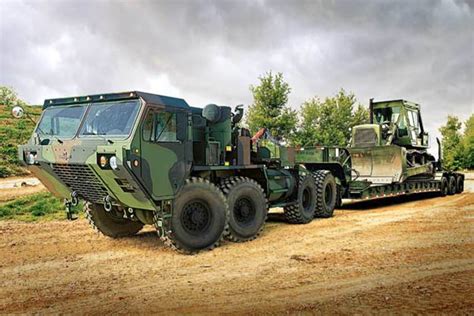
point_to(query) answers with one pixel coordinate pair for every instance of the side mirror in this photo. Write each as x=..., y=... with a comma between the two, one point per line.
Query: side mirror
x=18, y=112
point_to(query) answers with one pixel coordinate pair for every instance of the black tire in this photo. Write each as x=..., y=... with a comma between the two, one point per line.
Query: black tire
x=198, y=218
x=451, y=185
x=459, y=184
x=339, y=197
x=444, y=186
x=110, y=223
x=302, y=211
x=326, y=193
x=248, y=208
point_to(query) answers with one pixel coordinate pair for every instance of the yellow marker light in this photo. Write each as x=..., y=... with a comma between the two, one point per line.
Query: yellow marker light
x=226, y=163
x=228, y=148
x=103, y=161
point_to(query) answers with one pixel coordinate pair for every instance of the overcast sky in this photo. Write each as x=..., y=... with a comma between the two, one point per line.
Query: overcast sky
x=211, y=51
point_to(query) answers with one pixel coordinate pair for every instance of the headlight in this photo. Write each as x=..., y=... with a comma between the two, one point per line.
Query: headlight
x=113, y=162
x=30, y=158
x=103, y=161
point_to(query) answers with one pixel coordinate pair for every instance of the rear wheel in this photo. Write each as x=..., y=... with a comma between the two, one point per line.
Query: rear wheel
x=198, y=219
x=338, y=197
x=302, y=211
x=111, y=223
x=459, y=184
x=444, y=186
x=248, y=208
x=451, y=185
x=326, y=193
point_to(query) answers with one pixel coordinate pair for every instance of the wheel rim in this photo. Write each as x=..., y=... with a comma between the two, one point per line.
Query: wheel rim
x=307, y=199
x=196, y=217
x=328, y=195
x=244, y=211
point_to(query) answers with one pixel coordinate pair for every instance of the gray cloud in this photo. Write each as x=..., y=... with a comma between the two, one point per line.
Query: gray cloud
x=211, y=51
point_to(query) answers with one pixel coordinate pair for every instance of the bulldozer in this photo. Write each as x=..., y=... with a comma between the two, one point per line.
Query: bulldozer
x=393, y=148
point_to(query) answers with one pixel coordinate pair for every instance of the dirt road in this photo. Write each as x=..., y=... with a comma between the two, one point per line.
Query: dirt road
x=416, y=256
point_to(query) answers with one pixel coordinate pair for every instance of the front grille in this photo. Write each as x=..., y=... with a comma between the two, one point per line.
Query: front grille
x=365, y=137
x=81, y=178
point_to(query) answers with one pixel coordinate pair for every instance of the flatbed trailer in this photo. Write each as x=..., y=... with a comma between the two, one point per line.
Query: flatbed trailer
x=338, y=161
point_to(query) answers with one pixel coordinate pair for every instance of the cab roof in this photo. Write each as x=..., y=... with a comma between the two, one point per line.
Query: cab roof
x=130, y=95
x=388, y=103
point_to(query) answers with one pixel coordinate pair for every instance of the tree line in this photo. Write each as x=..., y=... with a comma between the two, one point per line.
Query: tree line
x=322, y=121
x=329, y=121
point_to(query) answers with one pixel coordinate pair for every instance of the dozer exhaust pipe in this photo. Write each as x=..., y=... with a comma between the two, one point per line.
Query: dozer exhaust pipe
x=371, y=110
x=440, y=154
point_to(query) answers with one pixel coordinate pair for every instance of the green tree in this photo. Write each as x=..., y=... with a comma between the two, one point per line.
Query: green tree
x=452, y=145
x=328, y=122
x=468, y=143
x=9, y=97
x=270, y=109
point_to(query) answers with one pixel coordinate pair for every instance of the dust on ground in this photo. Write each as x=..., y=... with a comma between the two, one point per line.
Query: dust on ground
x=414, y=255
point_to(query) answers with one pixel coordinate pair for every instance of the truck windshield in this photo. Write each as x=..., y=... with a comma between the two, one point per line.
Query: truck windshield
x=111, y=119
x=61, y=122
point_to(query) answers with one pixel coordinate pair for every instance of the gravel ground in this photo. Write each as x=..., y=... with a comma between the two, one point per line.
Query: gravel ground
x=389, y=256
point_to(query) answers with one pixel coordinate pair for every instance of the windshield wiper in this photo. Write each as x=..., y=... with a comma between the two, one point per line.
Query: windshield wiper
x=100, y=135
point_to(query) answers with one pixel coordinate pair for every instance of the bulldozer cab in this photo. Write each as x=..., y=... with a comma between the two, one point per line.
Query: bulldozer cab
x=401, y=123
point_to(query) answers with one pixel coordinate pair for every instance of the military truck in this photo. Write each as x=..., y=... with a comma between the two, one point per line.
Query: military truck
x=137, y=158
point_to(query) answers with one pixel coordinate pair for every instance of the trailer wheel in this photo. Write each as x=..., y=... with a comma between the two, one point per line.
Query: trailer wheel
x=302, y=211
x=444, y=186
x=326, y=193
x=248, y=208
x=459, y=184
x=451, y=185
x=199, y=217
x=110, y=223
x=339, y=197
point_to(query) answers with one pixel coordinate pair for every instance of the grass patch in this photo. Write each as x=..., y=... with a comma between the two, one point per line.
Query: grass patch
x=14, y=132
x=40, y=206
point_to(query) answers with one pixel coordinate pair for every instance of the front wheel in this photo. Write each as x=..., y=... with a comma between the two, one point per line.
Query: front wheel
x=199, y=217
x=110, y=223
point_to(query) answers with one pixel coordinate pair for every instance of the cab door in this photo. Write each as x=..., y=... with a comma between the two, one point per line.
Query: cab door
x=166, y=153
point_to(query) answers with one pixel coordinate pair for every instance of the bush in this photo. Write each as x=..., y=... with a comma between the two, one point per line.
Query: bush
x=34, y=207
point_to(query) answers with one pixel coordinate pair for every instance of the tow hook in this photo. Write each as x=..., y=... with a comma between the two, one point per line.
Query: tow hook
x=107, y=203
x=74, y=199
x=69, y=214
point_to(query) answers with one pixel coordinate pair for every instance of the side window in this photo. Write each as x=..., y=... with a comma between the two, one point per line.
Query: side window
x=160, y=127
x=402, y=127
x=414, y=115
x=165, y=127
x=413, y=118
x=148, y=127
